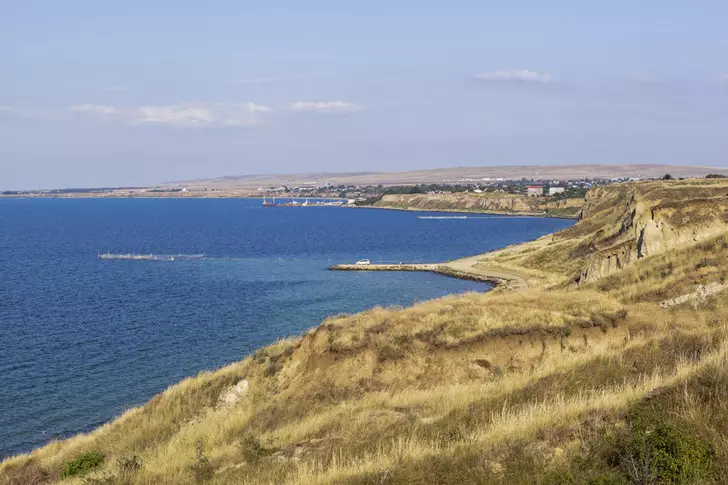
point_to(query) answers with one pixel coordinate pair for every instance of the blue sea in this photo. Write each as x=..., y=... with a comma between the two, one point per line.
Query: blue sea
x=82, y=339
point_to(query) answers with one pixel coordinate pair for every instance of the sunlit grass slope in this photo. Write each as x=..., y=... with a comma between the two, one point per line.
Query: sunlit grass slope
x=580, y=380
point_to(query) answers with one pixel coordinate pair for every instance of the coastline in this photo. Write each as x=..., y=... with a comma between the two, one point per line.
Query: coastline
x=98, y=196
x=467, y=211
x=387, y=394
x=463, y=268
x=242, y=196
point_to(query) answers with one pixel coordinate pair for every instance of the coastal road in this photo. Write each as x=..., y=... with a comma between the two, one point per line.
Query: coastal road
x=512, y=280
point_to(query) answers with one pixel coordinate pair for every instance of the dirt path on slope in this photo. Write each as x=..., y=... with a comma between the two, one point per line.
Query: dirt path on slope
x=468, y=266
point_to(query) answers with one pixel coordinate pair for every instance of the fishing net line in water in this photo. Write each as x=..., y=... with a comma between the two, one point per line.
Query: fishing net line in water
x=195, y=257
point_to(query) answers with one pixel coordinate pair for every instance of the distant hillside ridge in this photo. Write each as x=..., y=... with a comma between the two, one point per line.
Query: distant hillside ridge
x=460, y=175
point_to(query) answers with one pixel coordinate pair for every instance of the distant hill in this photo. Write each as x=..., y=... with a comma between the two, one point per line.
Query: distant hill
x=460, y=174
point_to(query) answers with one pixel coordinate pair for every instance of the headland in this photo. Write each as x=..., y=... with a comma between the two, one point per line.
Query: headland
x=583, y=376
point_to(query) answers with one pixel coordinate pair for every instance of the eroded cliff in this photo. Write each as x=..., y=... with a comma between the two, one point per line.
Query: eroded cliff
x=499, y=203
x=650, y=218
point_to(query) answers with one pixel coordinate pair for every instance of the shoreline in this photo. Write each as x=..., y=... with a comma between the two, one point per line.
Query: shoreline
x=463, y=268
x=97, y=196
x=197, y=197
x=467, y=211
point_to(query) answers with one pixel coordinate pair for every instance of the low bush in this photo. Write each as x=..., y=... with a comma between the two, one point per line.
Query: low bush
x=653, y=450
x=253, y=450
x=202, y=469
x=271, y=369
x=82, y=464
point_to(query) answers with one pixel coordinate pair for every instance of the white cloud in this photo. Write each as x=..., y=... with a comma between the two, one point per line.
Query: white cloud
x=518, y=75
x=326, y=107
x=193, y=114
x=96, y=109
x=724, y=78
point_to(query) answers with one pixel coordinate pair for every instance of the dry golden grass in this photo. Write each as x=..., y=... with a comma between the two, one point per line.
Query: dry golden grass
x=473, y=388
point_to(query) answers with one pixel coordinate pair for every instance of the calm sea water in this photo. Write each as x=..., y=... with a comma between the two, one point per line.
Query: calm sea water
x=81, y=339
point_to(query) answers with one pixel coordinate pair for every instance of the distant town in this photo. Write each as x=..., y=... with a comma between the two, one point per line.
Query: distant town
x=353, y=194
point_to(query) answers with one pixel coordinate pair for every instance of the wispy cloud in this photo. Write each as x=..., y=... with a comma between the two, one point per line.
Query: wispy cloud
x=185, y=115
x=724, y=78
x=326, y=107
x=516, y=75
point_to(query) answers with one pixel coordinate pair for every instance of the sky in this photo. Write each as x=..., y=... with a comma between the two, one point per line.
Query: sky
x=141, y=92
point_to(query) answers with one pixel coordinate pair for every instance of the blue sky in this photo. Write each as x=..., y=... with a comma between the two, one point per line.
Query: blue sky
x=109, y=93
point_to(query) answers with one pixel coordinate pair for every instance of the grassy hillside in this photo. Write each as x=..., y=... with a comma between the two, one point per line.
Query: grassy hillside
x=586, y=377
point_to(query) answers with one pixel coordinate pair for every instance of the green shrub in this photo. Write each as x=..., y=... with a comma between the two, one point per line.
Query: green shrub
x=655, y=451
x=82, y=464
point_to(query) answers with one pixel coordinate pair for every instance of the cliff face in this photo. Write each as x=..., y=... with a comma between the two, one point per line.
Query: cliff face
x=640, y=220
x=471, y=202
x=619, y=225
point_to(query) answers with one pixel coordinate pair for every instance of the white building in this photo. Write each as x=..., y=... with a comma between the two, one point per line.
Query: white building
x=556, y=190
x=534, y=190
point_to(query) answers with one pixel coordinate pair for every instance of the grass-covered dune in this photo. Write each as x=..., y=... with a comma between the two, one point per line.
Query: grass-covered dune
x=587, y=376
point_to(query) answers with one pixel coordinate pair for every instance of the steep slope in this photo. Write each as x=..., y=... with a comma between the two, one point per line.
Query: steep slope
x=588, y=383
x=658, y=217
x=619, y=225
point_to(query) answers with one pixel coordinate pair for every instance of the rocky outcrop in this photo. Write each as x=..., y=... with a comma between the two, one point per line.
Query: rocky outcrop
x=647, y=219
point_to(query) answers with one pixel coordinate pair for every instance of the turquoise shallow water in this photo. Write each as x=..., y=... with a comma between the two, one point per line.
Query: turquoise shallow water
x=81, y=339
